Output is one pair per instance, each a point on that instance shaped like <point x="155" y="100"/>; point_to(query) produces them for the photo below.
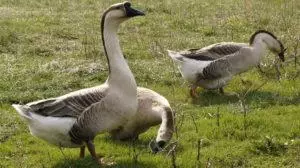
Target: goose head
<point x="110" y="21"/>
<point x="118" y="13"/>
<point x="270" y="40"/>
<point x="156" y="146"/>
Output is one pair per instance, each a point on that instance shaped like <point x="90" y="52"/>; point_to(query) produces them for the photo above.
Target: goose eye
<point x="127" y="4"/>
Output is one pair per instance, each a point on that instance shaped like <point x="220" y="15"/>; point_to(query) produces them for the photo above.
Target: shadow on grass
<point x="121" y="160"/>
<point x="212" y="97"/>
<point x="90" y="163"/>
<point x="264" y="99"/>
<point x="135" y="142"/>
<point x="259" y="98"/>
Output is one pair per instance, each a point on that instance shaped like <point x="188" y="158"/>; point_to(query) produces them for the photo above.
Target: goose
<point x="212" y="67"/>
<point x="153" y="109"/>
<point x="73" y="120"/>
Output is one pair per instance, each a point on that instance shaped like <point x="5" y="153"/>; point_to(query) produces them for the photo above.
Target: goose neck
<point x="119" y="72"/>
<point x="167" y="125"/>
<point x="259" y="48"/>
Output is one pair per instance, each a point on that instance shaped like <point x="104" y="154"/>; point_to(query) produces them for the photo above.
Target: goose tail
<point x="176" y="56"/>
<point x="23" y="110"/>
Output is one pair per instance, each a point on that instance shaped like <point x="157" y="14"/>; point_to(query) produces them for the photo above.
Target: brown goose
<point x="212" y="67"/>
<point x="74" y="119"/>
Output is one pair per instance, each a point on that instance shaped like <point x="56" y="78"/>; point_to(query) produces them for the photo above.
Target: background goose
<point x="213" y="66"/>
<point x="153" y="109"/>
<point x="76" y="118"/>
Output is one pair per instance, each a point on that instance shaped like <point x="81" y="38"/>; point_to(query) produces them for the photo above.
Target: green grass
<point x="49" y="48"/>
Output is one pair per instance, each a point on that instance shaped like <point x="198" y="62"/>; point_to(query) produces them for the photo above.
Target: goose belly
<point x="190" y="69"/>
<point x="214" y="84"/>
<point x="54" y="130"/>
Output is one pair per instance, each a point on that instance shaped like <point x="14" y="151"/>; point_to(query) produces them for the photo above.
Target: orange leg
<point x="193" y="91"/>
<point x="91" y="148"/>
<point x="221" y="90"/>
<point x="82" y="150"/>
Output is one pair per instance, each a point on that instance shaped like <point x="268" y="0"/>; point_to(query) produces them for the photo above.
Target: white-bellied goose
<point x="213" y="66"/>
<point x="74" y="119"/>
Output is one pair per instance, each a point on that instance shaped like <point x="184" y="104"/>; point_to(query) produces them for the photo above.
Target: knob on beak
<point x="131" y="12"/>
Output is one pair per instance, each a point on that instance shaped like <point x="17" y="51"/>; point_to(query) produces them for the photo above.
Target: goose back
<point x="213" y="51"/>
<point x="69" y="105"/>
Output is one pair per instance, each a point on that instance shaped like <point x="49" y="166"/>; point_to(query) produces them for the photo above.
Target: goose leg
<point x="193" y="91"/>
<point x="82" y="150"/>
<point x="91" y="148"/>
<point x="260" y="69"/>
<point x="221" y="90"/>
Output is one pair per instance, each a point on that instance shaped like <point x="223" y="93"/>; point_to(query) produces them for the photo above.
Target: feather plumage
<point x="213" y="66"/>
<point x="77" y="117"/>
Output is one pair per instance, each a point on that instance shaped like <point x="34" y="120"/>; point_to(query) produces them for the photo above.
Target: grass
<point x="49" y="48"/>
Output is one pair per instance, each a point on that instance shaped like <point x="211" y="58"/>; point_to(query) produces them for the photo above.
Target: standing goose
<point x="213" y="66"/>
<point x="74" y="119"/>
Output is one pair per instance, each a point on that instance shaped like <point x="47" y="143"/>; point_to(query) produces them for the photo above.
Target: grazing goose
<point x="74" y="119"/>
<point x="153" y="109"/>
<point x="213" y="66"/>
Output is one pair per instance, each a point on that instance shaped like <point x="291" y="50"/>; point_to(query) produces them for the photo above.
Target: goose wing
<point x="216" y="69"/>
<point x="213" y="51"/>
<point x="70" y="105"/>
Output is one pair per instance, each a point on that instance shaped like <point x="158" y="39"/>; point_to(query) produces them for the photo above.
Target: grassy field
<point x="49" y="48"/>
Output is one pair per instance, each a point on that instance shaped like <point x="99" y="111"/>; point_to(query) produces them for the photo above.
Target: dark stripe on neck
<point x="258" y="32"/>
<point x="170" y="118"/>
<point x="102" y="36"/>
<point x="267" y="32"/>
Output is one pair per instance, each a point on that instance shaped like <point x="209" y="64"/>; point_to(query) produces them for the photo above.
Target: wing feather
<point x="70" y="105"/>
<point x="214" y="51"/>
<point x="217" y="69"/>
